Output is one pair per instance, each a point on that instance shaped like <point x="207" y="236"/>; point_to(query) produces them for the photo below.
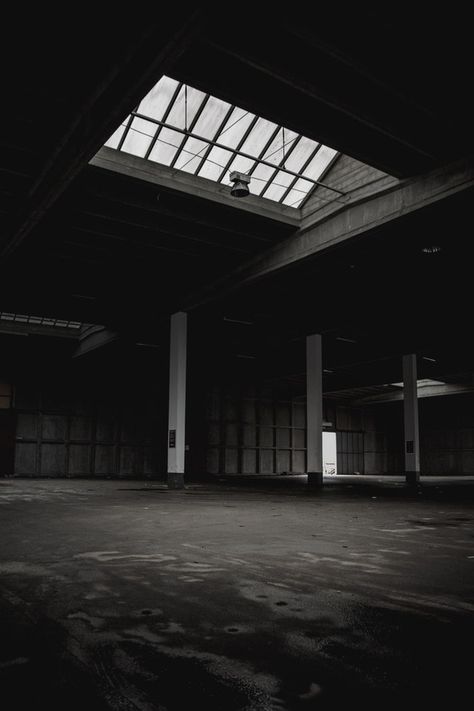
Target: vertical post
<point x="410" y="416"/>
<point x="314" y="410"/>
<point x="177" y="401"/>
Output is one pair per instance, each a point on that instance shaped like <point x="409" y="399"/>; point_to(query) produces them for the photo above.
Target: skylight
<point x="38" y="320"/>
<point x="423" y="383"/>
<point x="183" y="128"/>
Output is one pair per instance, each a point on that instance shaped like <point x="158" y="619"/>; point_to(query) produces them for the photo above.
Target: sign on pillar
<point x="177" y="401"/>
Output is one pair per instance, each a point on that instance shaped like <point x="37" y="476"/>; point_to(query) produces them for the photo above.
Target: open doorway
<point x="329" y="454"/>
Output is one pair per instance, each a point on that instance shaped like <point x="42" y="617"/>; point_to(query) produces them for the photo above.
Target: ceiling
<point x="82" y="243"/>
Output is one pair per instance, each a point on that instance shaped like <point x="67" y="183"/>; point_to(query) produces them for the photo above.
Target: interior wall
<point x="383" y="438"/>
<point x="350" y="436"/>
<point x="446" y="436"/>
<point x="65" y="430"/>
<point x="107" y="416"/>
<point x="254" y="431"/>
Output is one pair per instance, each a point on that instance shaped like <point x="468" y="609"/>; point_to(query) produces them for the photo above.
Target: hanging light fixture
<point x="240" y="187"/>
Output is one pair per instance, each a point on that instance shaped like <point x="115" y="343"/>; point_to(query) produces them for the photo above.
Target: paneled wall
<point x="350" y="452"/>
<point x="383" y="439"/>
<point x="64" y="430"/>
<point x="67" y="427"/>
<point x="349" y="423"/>
<point x="447" y="434"/>
<point x="254" y="431"/>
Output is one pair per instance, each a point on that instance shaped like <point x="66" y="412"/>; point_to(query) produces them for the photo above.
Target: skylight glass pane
<point x="178" y="113"/>
<point x="278" y="186"/>
<point x="191" y="155"/>
<point x="38" y="320"/>
<point x="260" y="177"/>
<point x="215" y="163"/>
<point x="298" y="192"/>
<point x="239" y="163"/>
<point x="156" y="101"/>
<point x="139" y="137"/>
<point x="260" y="134"/>
<point x="274" y="153"/>
<point x="300" y="154"/>
<point x="319" y="162"/>
<point x="211" y="118"/>
<point x="297" y="202"/>
<point x="166" y="146"/>
<point x="215" y="121"/>
<point x="235" y="127"/>
<point x="114" y="139"/>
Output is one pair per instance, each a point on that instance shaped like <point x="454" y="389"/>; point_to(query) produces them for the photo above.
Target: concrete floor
<point x="124" y="595"/>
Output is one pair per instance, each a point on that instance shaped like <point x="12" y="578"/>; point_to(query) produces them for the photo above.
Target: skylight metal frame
<point x="192" y="124"/>
<point x="255" y="130"/>
<point x="9" y="317"/>
<point x="168" y="110"/>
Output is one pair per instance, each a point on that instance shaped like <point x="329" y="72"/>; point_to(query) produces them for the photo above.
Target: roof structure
<point x="192" y="131"/>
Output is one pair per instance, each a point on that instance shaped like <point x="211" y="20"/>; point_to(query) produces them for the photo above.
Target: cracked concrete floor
<point x="231" y="595"/>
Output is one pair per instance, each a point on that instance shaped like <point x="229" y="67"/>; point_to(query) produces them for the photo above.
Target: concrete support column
<point x="410" y="412"/>
<point x="314" y="410"/>
<point x="177" y="401"/>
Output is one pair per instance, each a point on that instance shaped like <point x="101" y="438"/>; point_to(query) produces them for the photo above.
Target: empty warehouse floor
<point x="124" y="595"/>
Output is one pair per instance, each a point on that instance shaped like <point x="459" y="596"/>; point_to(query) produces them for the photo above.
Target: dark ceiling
<point x="134" y="247"/>
<point x="388" y="88"/>
<point x="83" y="243"/>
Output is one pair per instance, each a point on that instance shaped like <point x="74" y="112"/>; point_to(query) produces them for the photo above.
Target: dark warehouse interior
<point x="236" y="426"/>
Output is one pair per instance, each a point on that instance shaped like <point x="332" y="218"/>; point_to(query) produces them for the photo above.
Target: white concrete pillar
<point x="410" y="413"/>
<point x="177" y="400"/>
<point x="314" y="410"/>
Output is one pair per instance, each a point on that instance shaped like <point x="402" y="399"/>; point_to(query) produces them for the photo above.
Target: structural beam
<point x="410" y="418"/>
<point x="357" y="217"/>
<point x="136" y="167"/>
<point x="314" y="410"/>
<point x="93" y="337"/>
<point x="425" y="391"/>
<point x="177" y="400"/>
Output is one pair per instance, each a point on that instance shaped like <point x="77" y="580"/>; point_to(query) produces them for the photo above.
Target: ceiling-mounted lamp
<point x="240" y="187"/>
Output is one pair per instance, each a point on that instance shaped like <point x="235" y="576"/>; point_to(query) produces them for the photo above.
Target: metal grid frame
<point x="187" y="129"/>
<point x="39" y="320"/>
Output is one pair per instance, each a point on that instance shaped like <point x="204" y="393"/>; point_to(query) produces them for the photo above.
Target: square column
<point x="177" y="401"/>
<point x="410" y="418"/>
<point x="314" y="410"/>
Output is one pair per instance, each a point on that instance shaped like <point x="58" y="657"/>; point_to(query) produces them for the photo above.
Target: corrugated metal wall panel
<point x="66" y="432"/>
<point x="350" y="452"/>
<point x="254" y="432"/>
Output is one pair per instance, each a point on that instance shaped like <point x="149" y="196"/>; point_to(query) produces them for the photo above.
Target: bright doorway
<point x="329" y="454"/>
